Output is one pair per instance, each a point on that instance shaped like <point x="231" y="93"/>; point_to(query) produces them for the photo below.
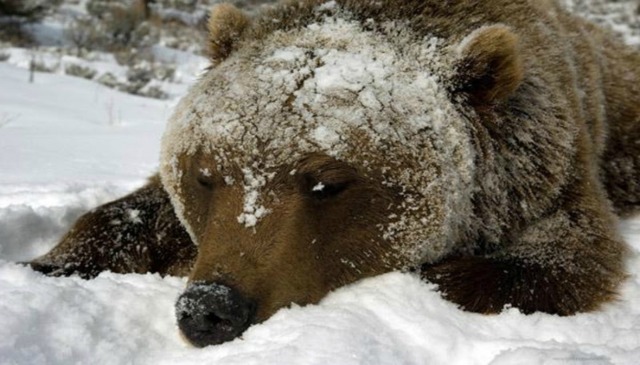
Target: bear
<point x="137" y="233"/>
<point x="486" y="146"/>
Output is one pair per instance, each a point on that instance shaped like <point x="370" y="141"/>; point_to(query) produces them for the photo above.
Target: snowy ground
<point x="68" y="144"/>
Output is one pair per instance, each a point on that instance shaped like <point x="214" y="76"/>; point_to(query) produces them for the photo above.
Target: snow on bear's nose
<point x="210" y="314"/>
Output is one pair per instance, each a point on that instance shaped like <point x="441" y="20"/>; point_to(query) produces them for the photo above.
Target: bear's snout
<point x="210" y="314"/>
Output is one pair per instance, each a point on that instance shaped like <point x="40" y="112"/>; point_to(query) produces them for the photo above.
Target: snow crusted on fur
<point x="372" y="100"/>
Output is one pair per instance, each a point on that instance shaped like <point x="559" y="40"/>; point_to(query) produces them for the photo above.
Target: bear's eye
<point x="205" y="181"/>
<point x="323" y="191"/>
<point x="319" y="189"/>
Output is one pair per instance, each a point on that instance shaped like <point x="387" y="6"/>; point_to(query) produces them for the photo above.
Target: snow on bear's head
<point x="310" y="156"/>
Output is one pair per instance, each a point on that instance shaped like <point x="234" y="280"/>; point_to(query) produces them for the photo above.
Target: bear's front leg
<point x="137" y="233"/>
<point x="569" y="261"/>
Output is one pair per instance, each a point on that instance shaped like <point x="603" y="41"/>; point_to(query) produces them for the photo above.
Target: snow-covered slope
<point x="67" y="144"/>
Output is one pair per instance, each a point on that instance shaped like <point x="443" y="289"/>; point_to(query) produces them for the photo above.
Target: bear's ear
<point x="226" y="25"/>
<point x="489" y="68"/>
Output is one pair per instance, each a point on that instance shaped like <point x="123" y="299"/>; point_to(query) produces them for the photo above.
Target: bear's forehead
<point x="364" y="97"/>
<point x="315" y="86"/>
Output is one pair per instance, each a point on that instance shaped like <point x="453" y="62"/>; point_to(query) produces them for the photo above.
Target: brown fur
<point x="556" y="121"/>
<point x="226" y="24"/>
<point x="291" y="256"/>
<point x="495" y="47"/>
<point x="137" y="233"/>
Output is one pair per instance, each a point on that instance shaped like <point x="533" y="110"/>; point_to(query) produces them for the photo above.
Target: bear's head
<point x="321" y="148"/>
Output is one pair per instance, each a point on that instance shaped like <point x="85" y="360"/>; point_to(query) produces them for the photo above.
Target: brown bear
<point x="137" y="233"/>
<point x="483" y="144"/>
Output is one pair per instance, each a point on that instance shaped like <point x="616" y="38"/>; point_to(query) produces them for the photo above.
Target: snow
<point x="251" y="211"/>
<point x="67" y="145"/>
<point x="318" y="187"/>
<point x="74" y="124"/>
<point x="622" y="16"/>
<point x="391" y="319"/>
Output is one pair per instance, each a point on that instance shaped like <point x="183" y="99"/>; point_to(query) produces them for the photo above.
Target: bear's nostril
<point x="210" y="314"/>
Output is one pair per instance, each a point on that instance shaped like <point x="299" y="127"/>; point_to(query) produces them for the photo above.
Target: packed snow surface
<point x="392" y="319"/>
<point x="68" y="144"/>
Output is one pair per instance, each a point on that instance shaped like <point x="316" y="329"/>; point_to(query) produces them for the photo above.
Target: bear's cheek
<point x="273" y="263"/>
<point x="296" y="253"/>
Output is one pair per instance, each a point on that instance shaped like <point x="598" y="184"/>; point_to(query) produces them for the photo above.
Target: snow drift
<point x="392" y="319"/>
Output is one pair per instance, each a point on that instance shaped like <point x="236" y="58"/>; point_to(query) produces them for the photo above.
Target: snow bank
<point x="392" y="319"/>
<point x="67" y="129"/>
<point x="33" y="218"/>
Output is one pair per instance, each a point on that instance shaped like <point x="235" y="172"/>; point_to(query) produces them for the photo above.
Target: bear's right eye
<point x="205" y="181"/>
<point x="323" y="189"/>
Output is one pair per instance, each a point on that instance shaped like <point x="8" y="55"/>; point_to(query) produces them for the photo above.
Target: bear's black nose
<point x="210" y="314"/>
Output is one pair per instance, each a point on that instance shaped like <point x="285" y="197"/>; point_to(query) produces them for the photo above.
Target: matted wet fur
<point x="540" y="234"/>
<point x="137" y="233"/>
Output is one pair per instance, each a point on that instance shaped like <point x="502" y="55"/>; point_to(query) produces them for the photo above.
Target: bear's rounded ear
<point x="489" y="68"/>
<point x="226" y="25"/>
